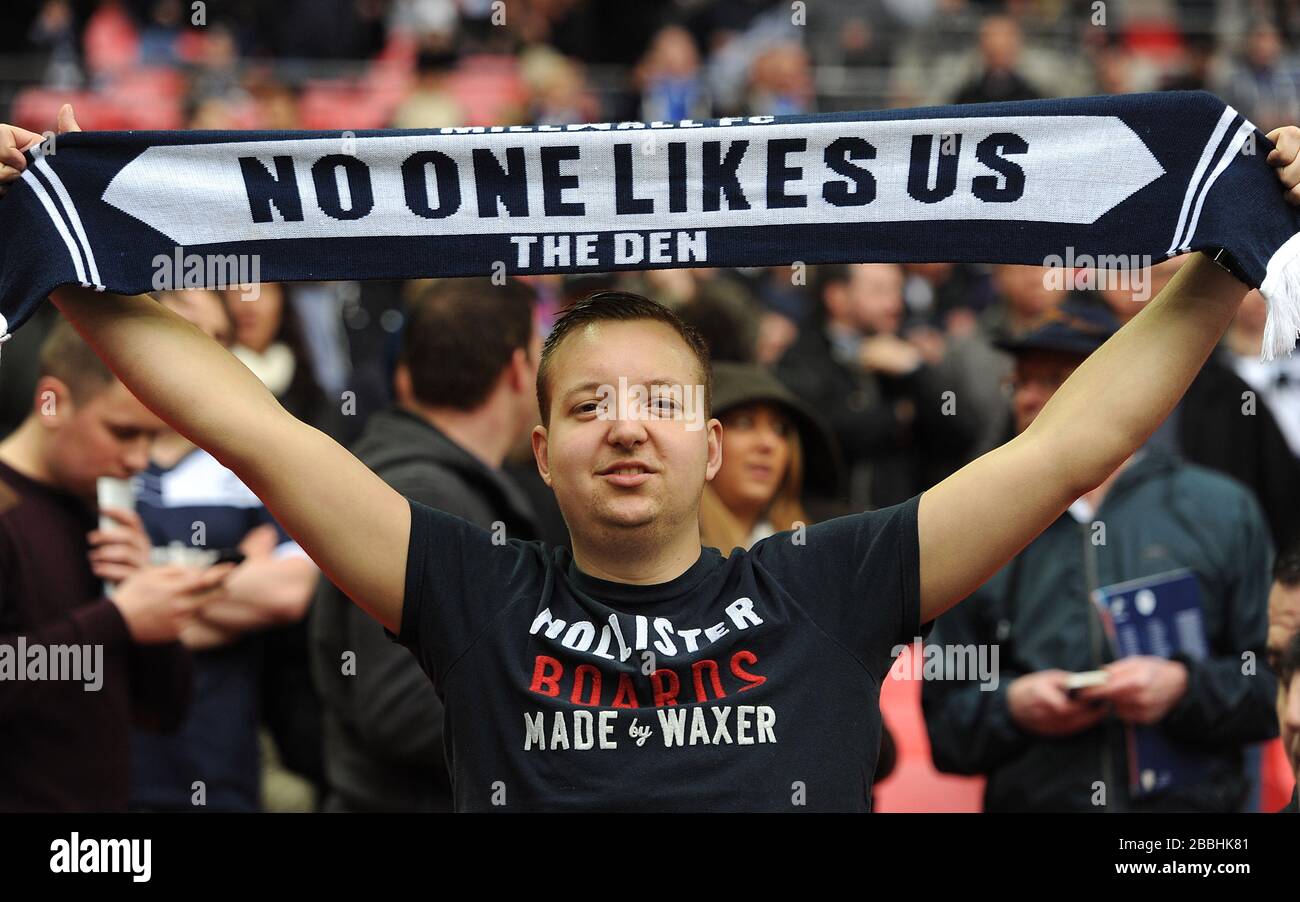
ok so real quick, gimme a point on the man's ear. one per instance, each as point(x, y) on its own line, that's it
point(715, 449)
point(402, 387)
point(52, 402)
point(540, 448)
point(834, 296)
point(520, 371)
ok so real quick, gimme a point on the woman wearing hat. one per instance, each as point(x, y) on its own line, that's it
point(773, 447)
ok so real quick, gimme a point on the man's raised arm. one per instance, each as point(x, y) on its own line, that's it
point(975, 521)
point(347, 519)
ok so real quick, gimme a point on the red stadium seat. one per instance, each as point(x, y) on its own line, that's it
point(1277, 781)
point(111, 42)
point(915, 786)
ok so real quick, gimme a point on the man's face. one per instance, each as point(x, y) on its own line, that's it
point(1283, 625)
point(1038, 375)
point(108, 435)
point(1027, 290)
point(1283, 618)
point(580, 452)
point(875, 295)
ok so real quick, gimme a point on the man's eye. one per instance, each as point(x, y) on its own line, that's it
point(664, 405)
point(586, 407)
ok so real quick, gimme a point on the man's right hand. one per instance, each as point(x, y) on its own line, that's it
point(1040, 703)
point(157, 603)
point(15, 140)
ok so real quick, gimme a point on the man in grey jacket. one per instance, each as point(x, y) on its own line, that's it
point(464, 386)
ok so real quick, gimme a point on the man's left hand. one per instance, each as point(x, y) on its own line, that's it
point(1142, 689)
point(1285, 157)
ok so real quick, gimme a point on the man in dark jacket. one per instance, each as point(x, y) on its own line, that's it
point(898, 419)
point(1046, 747)
point(465, 394)
point(1219, 423)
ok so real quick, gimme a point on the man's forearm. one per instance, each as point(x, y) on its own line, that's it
point(202, 390)
point(1125, 390)
point(263, 593)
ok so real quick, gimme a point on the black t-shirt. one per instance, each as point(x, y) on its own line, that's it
point(747, 683)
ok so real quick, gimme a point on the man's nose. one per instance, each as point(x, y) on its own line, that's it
point(136, 457)
point(627, 432)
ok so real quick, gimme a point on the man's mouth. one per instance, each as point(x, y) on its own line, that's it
point(626, 475)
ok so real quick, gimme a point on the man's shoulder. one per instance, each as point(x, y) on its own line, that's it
point(1211, 488)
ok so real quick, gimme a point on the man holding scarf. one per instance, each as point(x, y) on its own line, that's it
point(644, 672)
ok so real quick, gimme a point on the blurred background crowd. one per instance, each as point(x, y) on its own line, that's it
point(857, 361)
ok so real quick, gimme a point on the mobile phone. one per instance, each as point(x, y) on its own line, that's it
point(1088, 678)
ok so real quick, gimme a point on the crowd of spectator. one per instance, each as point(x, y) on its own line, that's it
point(891, 376)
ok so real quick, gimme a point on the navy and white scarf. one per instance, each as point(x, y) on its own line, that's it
point(1109, 181)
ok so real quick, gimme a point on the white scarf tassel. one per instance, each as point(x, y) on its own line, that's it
point(1281, 289)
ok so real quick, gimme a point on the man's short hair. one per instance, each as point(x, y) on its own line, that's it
point(826, 275)
point(66, 356)
point(618, 306)
point(460, 334)
point(1286, 568)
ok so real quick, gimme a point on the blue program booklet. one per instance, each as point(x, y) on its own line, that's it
point(1157, 615)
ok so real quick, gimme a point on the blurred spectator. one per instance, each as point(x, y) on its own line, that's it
point(218, 72)
point(1113, 69)
point(672, 87)
point(1262, 85)
point(326, 29)
point(465, 392)
point(431, 103)
point(67, 741)
point(725, 313)
point(559, 89)
point(1044, 748)
point(1197, 70)
point(196, 510)
point(884, 402)
point(781, 82)
point(1023, 297)
point(1277, 381)
point(22, 367)
point(1218, 424)
point(161, 34)
point(55, 33)
point(426, 17)
point(999, 79)
point(772, 447)
point(268, 340)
